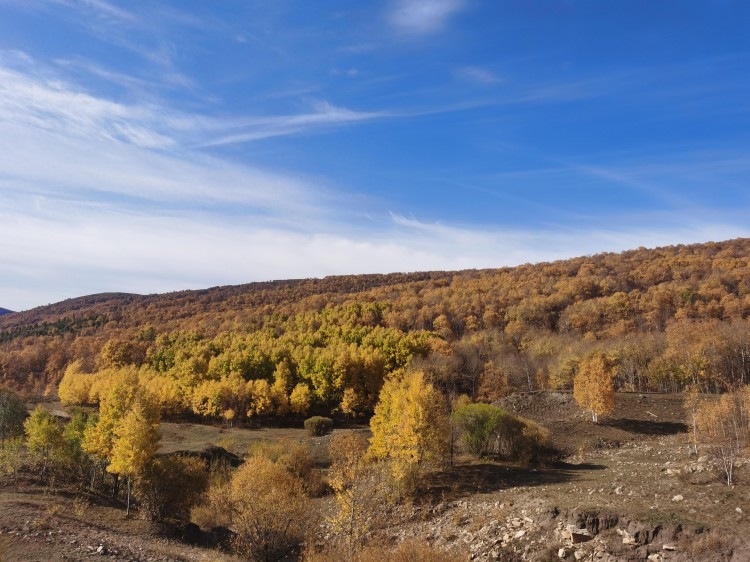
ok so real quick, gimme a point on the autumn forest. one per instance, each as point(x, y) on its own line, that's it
point(421, 374)
point(665, 318)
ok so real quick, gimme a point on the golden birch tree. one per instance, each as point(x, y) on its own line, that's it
point(593, 386)
point(136, 440)
point(410, 428)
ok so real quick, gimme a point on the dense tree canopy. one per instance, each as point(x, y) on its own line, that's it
point(666, 318)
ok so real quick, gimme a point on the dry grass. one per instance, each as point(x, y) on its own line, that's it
point(408, 551)
point(706, 543)
point(80, 506)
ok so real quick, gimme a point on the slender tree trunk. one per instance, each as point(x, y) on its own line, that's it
point(127, 510)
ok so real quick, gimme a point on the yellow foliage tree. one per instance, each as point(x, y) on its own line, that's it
point(723, 427)
point(261, 396)
point(43, 433)
point(98, 439)
point(593, 386)
point(282, 386)
point(206, 398)
point(357, 485)
point(75, 386)
point(410, 428)
point(136, 440)
point(352, 403)
point(301, 399)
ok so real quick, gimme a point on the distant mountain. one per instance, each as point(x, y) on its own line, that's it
point(4, 311)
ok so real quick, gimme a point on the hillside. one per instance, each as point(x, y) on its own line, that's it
point(4, 311)
point(255, 360)
point(663, 315)
point(631, 487)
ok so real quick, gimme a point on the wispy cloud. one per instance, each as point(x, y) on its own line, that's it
point(423, 17)
point(44, 101)
point(111, 24)
point(478, 75)
point(88, 247)
point(31, 94)
point(323, 115)
point(99, 9)
point(102, 9)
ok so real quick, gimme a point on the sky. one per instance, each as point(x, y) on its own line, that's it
point(151, 146)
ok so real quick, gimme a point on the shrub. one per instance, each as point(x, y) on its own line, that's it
point(269, 510)
point(487, 430)
point(521, 439)
point(12, 415)
point(360, 492)
point(171, 485)
point(11, 456)
point(318, 425)
point(478, 426)
point(294, 457)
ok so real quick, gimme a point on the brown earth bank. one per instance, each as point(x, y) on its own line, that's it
point(625, 489)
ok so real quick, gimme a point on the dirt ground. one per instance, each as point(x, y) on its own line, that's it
point(629, 482)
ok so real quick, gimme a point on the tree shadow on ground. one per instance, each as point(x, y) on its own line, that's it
point(647, 427)
point(477, 478)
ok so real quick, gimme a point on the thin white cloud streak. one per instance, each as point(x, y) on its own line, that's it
point(423, 17)
point(97, 8)
point(46, 102)
point(34, 96)
point(478, 75)
point(61, 249)
point(46, 163)
point(324, 115)
point(102, 9)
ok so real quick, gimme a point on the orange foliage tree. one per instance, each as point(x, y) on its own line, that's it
point(593, 386)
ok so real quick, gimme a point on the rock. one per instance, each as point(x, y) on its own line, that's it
point(579, 554)
point(519, 534)
point(703, 459)
point(678, 498)
point(577, 536)
point(655, 557)
point(618, 490)
point(562, 553)
point(738, 510)
point(627, 538)
point(669, 547)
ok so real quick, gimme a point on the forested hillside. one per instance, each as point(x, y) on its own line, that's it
point(664, 318)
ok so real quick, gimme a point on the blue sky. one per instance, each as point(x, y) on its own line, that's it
point(157, 146)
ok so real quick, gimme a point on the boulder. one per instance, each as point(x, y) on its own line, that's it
point(576, 535)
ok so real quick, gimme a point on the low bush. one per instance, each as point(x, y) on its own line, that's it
point(478, 426)
point(319, 425)
point(269, 510)
point(293, 456)
point(487, 430)
point(171, 486)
